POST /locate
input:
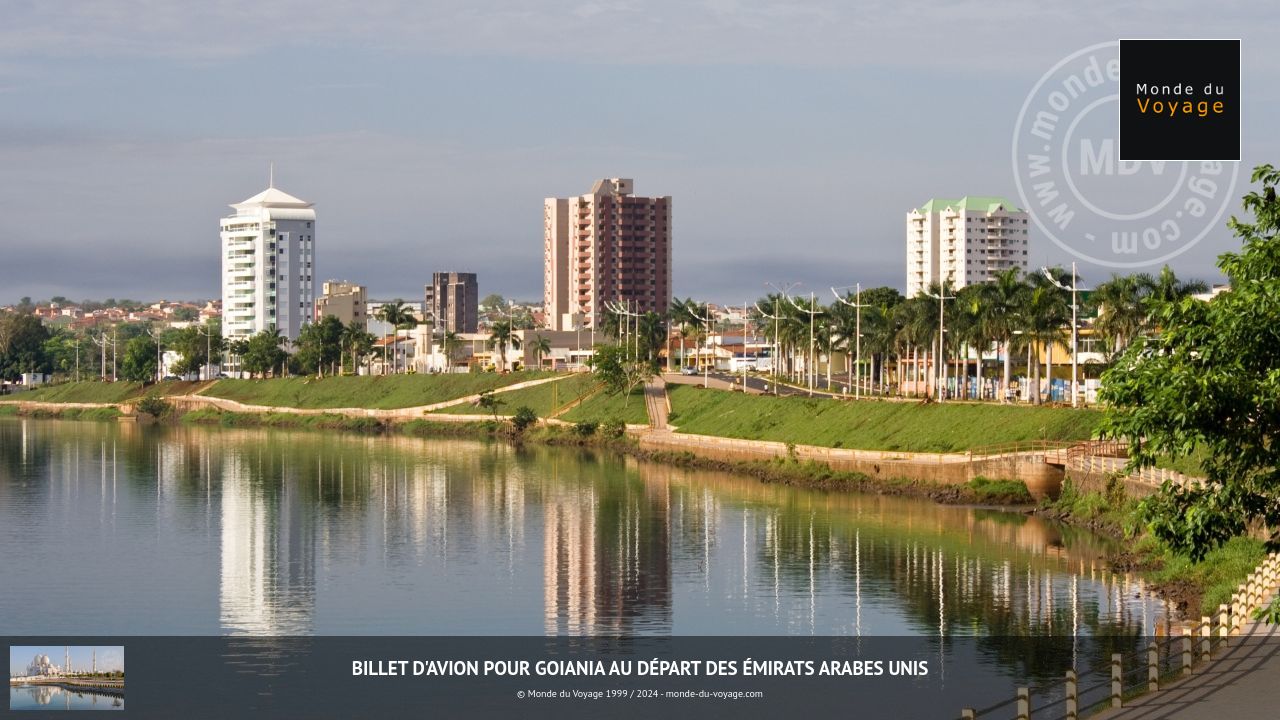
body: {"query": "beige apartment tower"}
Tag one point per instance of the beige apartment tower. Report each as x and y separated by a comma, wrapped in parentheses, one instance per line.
(606, 246)
(343, 300)
(964, 242)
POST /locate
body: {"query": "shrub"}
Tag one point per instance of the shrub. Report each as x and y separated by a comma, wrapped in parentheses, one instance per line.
(153, 405)
(586, 428)
(523, 418)
(614, 428)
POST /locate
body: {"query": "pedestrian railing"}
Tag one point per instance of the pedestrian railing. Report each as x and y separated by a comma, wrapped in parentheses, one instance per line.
(1144, 670)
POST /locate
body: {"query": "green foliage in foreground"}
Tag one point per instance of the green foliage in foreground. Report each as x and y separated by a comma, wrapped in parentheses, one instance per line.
(872, 424)
(1209, 381)
(1218, 573)
(378, 392)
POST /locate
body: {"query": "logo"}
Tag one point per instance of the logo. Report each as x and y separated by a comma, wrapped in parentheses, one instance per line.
(1077, 190)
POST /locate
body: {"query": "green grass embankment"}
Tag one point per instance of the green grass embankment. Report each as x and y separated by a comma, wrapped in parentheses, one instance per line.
(872, 424)
(93, 391)
(380, 392)
(602, 406)
(544, 399)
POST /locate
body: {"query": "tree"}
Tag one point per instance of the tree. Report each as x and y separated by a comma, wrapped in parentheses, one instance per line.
(487, 401)
(22, 346)
(450, 346)
(618, 373)
(194, 345)
(263, 353)
(139, 361)
(397, 315)
(501, 336)
(320, 345)
(1209, 381)
(1003, 303)
(1121, 308)
(357, 341)
(541, 347)
(493, 301)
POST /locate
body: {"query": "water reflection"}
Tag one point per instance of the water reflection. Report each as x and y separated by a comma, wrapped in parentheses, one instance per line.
(260, 533)
(55, 697)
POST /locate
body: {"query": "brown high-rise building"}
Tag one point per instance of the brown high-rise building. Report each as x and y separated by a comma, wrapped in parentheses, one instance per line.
(605, 246)
(452, 302)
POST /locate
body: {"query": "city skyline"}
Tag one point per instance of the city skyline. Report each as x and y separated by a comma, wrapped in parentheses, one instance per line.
(786, 133)
(110, 658)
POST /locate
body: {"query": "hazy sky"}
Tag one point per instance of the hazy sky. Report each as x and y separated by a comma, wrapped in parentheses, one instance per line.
(793, 136)
(109, 657)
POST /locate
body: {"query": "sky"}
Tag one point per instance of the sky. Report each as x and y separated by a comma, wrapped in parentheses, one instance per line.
(792, 136)
(109, 657)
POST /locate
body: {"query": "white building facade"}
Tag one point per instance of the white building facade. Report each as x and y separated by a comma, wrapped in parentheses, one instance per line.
(268, 259)
(964, 242)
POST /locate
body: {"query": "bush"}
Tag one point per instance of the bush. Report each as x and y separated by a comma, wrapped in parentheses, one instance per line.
(523, 418)
(586, 428)
(153, 405)
(613, 428)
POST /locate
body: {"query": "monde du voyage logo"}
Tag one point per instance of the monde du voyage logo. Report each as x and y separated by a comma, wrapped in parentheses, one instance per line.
(1126, 153)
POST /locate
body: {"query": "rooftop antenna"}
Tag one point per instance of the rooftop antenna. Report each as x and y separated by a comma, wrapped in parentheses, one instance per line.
(271, 175)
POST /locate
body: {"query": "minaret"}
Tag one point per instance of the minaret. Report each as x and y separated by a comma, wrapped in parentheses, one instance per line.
(95, 661)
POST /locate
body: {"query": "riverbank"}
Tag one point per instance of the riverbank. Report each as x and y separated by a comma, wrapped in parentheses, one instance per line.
(897, 437)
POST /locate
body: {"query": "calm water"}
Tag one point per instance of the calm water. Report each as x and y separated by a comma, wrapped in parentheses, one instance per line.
(113, 529)
(51, 697)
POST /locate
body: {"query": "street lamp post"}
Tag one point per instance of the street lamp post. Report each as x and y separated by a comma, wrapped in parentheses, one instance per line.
(941, 372)
(776, 317)
(1075, 329)
(706, 369)
(857, 305)
(813, 312)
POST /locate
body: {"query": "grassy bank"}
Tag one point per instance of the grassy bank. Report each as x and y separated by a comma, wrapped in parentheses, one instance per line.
(1197, 588)
(870, 424)
(602, 407)
(93, 391)
(71, 413)
(379, 392)
(545, 399)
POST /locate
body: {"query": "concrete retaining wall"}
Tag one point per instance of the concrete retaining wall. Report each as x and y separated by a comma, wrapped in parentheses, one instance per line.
(1042, 479)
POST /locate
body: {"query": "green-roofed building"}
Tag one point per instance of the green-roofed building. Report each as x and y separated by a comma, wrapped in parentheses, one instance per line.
(963, 241)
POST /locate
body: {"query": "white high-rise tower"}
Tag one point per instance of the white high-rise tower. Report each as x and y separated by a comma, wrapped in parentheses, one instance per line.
(268, 257)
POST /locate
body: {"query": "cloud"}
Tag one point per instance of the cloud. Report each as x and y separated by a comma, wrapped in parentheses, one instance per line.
(992, 33)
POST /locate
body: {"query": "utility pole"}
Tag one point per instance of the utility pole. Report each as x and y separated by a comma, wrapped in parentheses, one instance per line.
(857, 305)
(776, 316)
(941, 358)
(813, 312)
(1075, 329)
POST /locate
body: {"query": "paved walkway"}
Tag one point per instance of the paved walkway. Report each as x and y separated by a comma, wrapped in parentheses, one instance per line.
(1242, 682)
(655, 401)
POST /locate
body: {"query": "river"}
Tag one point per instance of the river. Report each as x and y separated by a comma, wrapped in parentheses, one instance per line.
(119, 529)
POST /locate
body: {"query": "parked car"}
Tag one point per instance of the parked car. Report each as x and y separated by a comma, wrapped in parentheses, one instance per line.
(688, 370)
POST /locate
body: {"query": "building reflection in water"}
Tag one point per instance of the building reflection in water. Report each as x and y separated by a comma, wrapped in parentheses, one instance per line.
(342, 534)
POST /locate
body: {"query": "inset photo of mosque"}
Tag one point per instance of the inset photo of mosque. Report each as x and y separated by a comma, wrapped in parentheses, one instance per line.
(69, 677)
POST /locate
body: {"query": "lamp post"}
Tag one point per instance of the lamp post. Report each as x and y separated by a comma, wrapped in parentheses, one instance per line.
(159, 354)
(813, 312)
(706, 369)
(941, 373)
(1075, 329)
(857, 305)
(776, 317)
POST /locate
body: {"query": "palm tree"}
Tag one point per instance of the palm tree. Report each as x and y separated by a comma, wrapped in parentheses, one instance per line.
(1002, 302)
(395, 314)
(1167, 288)
(450, 346)
(541, 346)
(357, 341)
(500, 337)
(1122, 315)
(1046, 308)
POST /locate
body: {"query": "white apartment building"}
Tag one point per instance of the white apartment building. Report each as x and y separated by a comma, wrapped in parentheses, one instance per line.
(268, 254)
(963, 242)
